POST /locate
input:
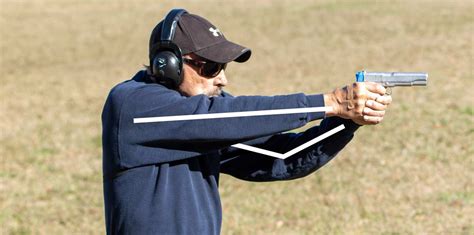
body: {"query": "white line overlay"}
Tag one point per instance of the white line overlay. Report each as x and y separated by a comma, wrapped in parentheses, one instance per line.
(252, 114)
(291, 152)
(231, 114)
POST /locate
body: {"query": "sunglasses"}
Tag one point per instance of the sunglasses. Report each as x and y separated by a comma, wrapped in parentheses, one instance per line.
(206, 68)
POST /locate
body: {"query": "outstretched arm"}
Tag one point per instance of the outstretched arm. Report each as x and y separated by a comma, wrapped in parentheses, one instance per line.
(361, 103)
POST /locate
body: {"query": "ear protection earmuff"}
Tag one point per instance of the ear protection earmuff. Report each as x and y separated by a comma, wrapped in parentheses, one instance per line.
(167, 63)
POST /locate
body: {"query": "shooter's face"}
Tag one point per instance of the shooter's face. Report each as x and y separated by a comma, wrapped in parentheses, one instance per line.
(196, 84)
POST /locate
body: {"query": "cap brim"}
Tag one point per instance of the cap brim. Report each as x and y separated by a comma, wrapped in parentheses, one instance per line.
(225, 52)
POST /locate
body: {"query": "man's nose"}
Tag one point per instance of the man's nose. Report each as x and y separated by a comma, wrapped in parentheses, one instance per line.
(221, 79)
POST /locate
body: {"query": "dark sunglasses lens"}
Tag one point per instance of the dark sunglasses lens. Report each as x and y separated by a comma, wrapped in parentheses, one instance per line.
(211, 69)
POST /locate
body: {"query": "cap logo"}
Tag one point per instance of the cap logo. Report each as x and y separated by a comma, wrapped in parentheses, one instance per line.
(215, 32)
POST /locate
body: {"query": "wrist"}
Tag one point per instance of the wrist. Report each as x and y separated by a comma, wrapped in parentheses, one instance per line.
(331, 102)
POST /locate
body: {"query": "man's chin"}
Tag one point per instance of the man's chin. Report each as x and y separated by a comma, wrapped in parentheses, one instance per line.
(215, 93)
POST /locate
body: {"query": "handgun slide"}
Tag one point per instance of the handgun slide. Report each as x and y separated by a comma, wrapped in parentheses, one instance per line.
(392, 79)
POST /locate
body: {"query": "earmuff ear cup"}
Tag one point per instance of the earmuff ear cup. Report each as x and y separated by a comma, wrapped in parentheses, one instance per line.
(166, 69)
(166, 60)
(167, 65)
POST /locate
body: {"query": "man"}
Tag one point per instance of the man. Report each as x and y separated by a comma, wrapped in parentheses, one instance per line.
(162, 178)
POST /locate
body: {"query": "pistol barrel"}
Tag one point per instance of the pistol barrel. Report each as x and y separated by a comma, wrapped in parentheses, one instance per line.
(391, 79)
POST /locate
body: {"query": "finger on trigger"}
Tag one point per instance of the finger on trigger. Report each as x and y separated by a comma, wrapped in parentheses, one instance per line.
(376, 88)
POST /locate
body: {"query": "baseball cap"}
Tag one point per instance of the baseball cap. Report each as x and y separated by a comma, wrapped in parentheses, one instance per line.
(194, 34)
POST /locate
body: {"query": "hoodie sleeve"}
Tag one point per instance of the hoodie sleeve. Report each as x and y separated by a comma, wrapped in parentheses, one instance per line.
(156, 101)
(257, 167)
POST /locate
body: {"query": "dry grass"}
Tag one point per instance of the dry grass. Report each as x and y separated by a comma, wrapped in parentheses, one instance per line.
(410, 175)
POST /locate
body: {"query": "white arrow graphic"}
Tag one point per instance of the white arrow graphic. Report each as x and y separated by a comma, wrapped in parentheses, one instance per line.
(293, 151)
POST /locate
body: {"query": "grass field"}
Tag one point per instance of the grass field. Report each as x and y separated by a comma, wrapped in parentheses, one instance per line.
(410, 175)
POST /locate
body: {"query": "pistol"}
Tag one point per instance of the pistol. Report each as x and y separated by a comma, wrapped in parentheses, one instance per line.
(392, 79)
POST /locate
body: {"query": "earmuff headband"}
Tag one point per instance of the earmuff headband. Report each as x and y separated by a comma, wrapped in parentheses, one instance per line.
(165, 56)
(170, 23)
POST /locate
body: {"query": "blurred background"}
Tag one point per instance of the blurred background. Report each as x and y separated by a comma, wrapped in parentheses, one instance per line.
(410, 175)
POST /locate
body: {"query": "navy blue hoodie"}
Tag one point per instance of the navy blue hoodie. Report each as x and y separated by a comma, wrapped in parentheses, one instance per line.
(162, 178)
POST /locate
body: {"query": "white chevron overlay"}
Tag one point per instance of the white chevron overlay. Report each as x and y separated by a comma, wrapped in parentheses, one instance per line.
(293, 151)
